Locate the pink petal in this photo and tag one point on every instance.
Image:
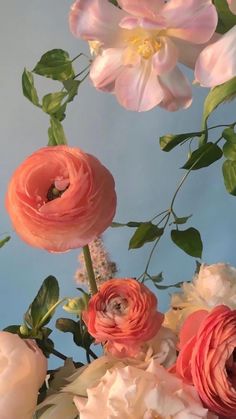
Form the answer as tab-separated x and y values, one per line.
137	88
145	8
165	59
217	62
191	326
95	20
106	68
132	22
192	20
232	5
177	90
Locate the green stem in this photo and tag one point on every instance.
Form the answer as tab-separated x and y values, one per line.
89	267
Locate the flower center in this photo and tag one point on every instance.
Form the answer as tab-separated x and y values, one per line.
146	46
57	188
117	306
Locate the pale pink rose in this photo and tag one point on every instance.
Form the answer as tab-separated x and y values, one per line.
23	369
61	198
232	5
123	314
140	46
207	358
216	64
129	392
213	285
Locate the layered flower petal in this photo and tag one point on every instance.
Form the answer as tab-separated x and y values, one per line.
217	62
177	90
106	68
145	8
95	20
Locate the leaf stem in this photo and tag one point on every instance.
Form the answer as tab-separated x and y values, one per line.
89	267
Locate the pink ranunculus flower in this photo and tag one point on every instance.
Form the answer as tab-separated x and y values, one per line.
232	5
130	392
61	198
140	46
207	358
216	64
22	372
124	315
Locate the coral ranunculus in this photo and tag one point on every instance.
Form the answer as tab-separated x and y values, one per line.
141	45
61	198
207	358
23	371
124	315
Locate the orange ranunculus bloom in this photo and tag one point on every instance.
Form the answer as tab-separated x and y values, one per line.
207	358
61	198
124	315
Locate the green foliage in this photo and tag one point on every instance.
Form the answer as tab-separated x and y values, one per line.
56	133
204	156
229	135
29	91
4	241
41	310
229	173
146	232
52	102
181	220
226	19
229	150
170	141
217	96
78	329
55	64
129	224
77	305
189	241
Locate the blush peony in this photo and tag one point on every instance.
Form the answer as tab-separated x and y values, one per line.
129	392
207	358
61	198
138	47
23	369
124	315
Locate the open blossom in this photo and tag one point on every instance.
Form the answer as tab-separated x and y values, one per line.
23	369
212	286
140	45
207	358
216	64
61	198
129	392
124	315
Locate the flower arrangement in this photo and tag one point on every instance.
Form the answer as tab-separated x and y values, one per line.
141	363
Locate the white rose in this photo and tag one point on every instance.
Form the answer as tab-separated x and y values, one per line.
213	285
129	392
23	368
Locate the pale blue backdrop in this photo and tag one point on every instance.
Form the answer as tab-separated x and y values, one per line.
126	142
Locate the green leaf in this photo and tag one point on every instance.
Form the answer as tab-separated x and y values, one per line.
55	64
218	95
146	232
189	241
229	135
114	2
72	87
226	19
204	156
165	287
157	278
181	220
229	150
129	224
170	141
28	88
229	173
14	328
56	133
52	102
78	330
4	241
46	298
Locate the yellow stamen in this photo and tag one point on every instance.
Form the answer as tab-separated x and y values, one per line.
146	47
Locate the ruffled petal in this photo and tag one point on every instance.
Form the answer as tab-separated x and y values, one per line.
145	8
217	62
132	22
137	88
106	68
166	58
177	90
95	20
192	20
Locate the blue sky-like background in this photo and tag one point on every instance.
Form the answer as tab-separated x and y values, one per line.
126	142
